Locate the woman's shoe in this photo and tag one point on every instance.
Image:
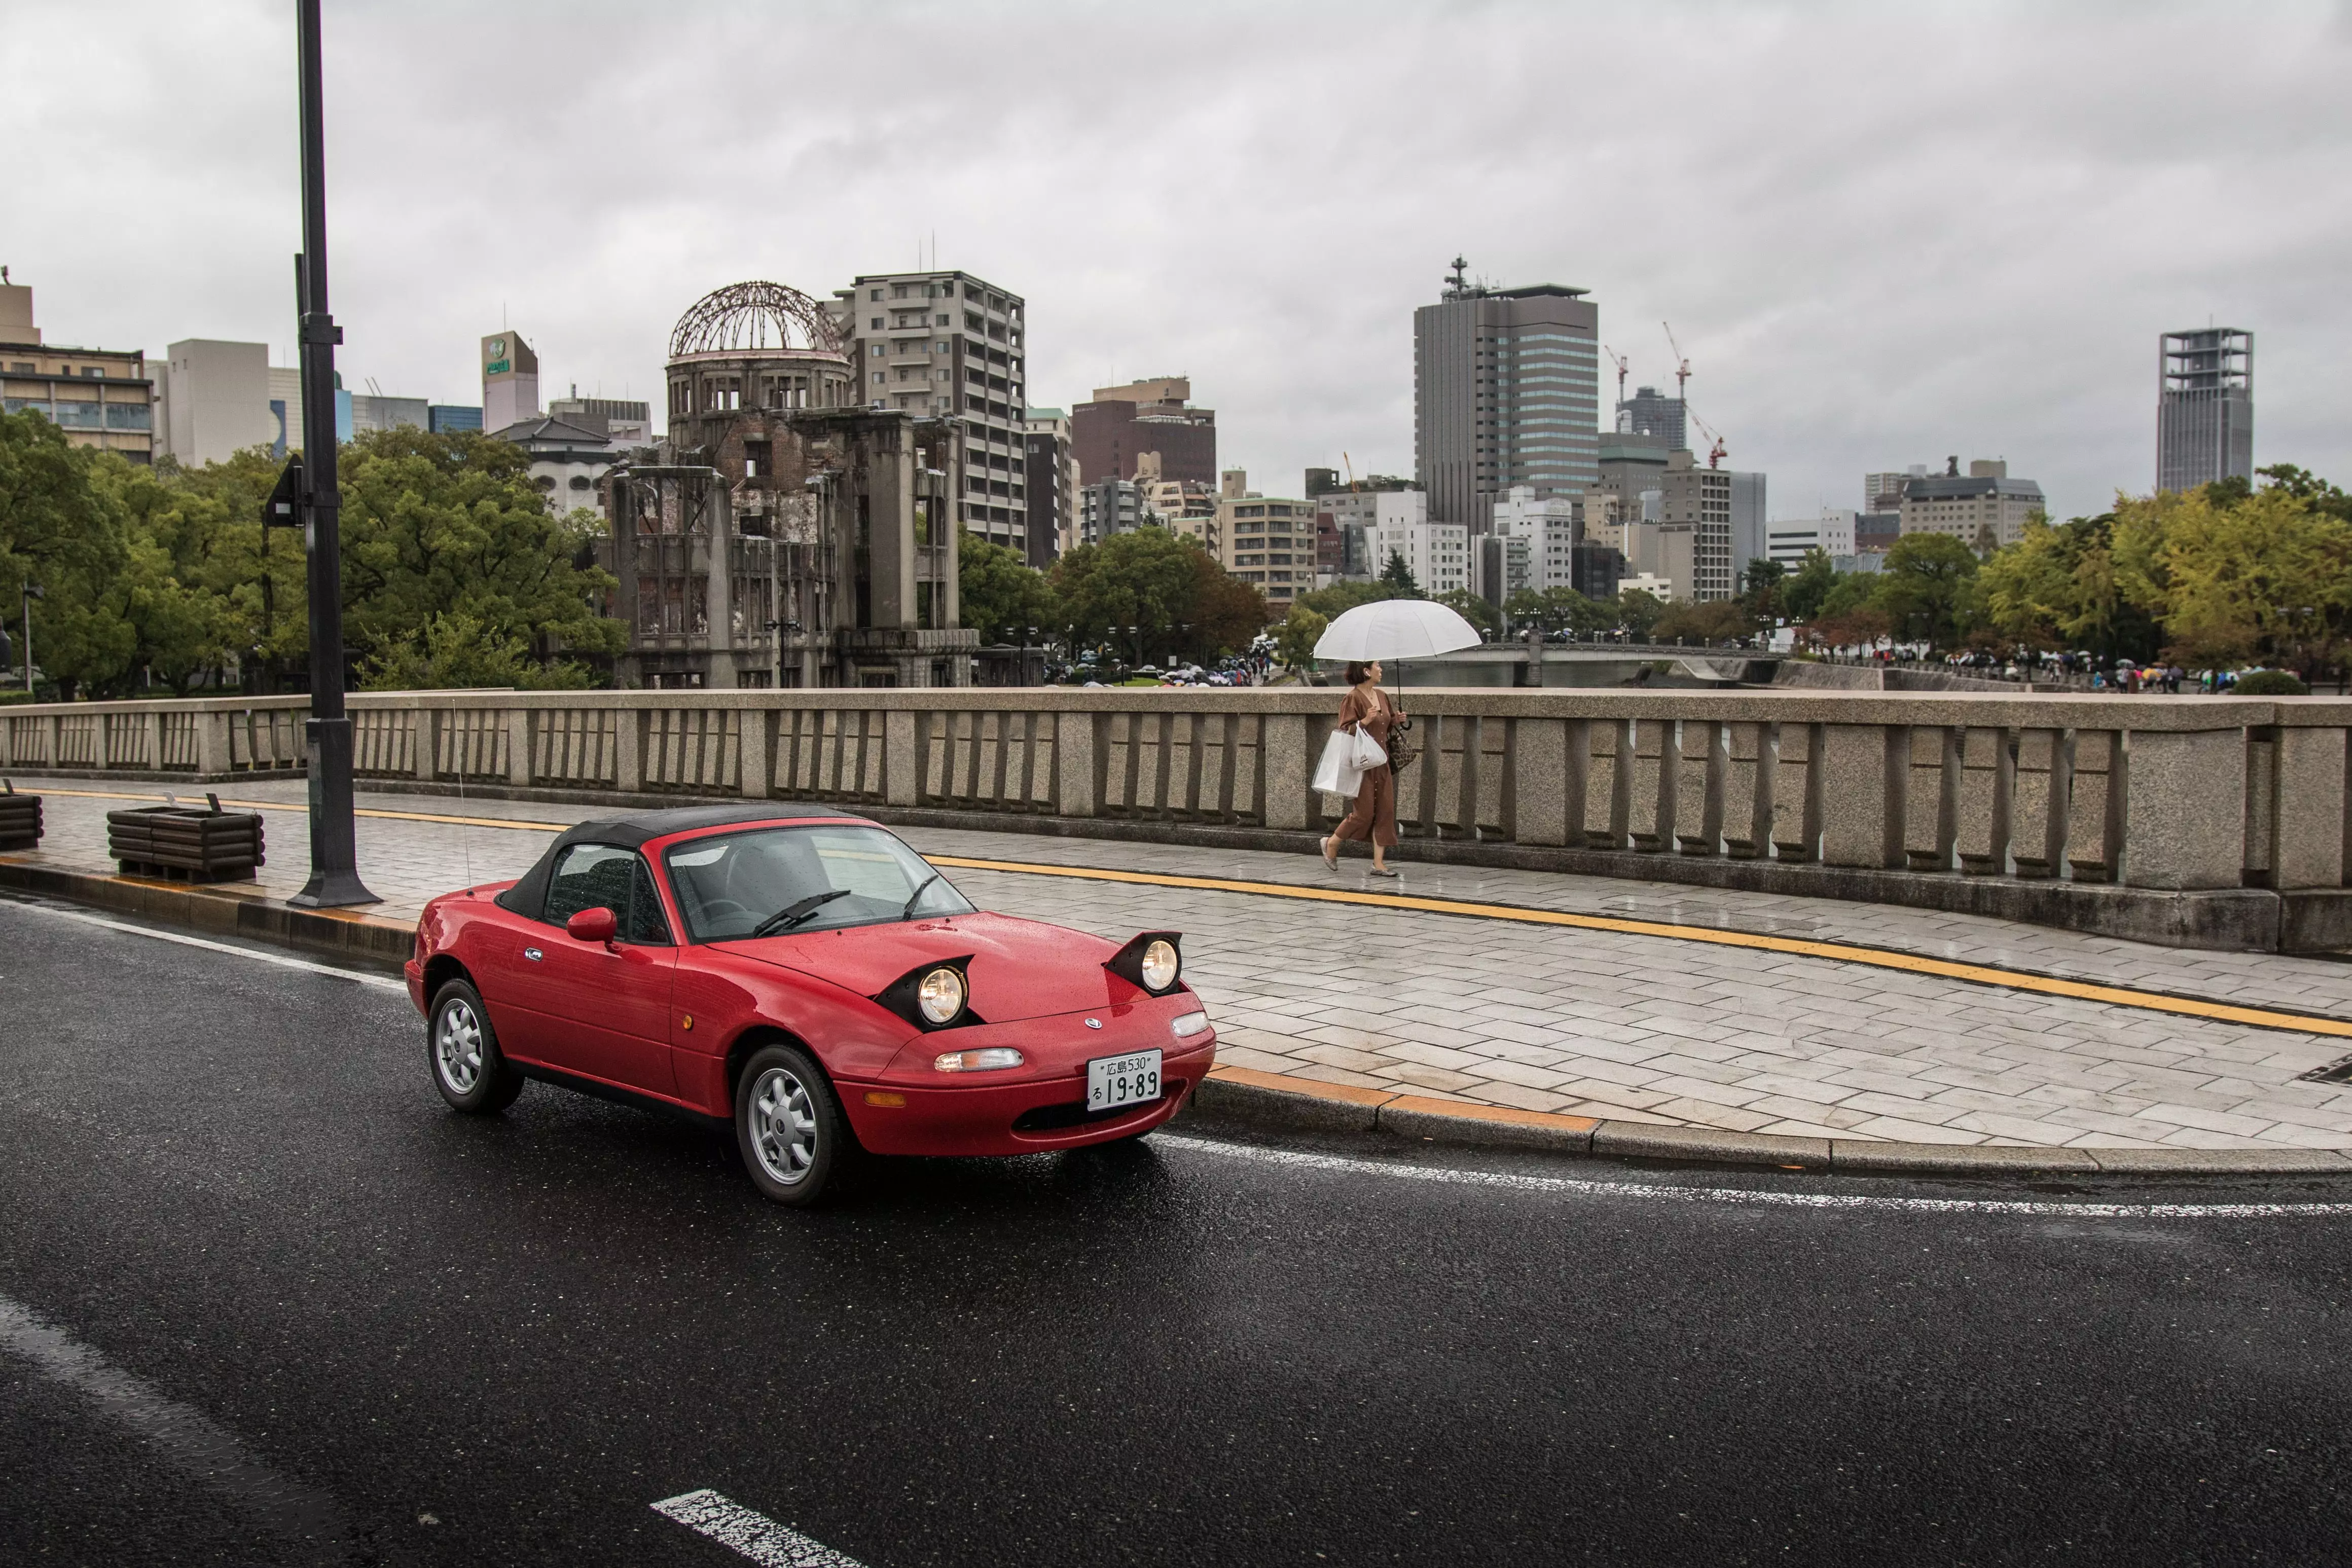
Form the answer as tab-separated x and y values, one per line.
1330	853
1384	871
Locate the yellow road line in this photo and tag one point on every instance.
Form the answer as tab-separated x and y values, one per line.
1878	957
523	824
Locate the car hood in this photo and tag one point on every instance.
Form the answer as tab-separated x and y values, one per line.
1019	969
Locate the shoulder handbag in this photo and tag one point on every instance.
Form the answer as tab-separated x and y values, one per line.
1402	748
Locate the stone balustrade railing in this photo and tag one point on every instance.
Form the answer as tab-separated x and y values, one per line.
2192	820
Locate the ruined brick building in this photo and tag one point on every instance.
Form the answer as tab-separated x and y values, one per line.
780	534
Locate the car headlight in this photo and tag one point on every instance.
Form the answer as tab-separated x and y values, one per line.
940	994
1160	964
1185	1026
988	1058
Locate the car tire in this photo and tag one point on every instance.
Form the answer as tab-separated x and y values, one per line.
790	1128
461	1049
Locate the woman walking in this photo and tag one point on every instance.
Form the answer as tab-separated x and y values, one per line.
1375	816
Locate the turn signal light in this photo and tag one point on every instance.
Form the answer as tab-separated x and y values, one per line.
885	1098
1185	1026
988	1058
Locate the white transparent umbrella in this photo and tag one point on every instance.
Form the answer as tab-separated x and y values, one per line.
1395	628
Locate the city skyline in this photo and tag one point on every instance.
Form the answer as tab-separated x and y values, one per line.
1820	347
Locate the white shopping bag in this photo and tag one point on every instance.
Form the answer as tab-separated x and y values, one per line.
1368	754
1338	773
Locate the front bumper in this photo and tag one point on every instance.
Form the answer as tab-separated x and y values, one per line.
980	1118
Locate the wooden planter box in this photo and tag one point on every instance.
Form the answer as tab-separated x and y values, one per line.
20	820
188	841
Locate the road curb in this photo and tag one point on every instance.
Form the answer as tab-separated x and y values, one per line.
1277	1102
216	909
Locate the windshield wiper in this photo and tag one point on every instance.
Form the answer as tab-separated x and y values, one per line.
908	913
793	914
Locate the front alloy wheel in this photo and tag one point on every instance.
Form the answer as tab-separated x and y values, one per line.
788	1126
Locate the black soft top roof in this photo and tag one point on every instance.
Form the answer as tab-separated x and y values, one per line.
528	896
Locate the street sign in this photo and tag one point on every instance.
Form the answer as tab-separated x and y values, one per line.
284	508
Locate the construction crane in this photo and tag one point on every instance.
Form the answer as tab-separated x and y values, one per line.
1717	454
1682	365
1620	370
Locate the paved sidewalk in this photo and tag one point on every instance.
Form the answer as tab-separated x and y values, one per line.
1624	1027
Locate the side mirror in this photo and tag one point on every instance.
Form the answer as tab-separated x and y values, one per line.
591	926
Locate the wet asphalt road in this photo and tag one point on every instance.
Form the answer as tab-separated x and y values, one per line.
234	1184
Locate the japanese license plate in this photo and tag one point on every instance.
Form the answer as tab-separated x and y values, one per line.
1115	1081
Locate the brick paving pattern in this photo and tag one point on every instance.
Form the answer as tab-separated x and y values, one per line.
1633	1027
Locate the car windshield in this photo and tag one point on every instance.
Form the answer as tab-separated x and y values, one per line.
771	881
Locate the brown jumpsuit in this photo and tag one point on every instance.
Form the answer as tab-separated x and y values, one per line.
1374	816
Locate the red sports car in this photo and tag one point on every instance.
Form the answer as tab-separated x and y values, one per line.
810	980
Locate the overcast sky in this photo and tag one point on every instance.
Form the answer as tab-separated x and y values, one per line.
1883	234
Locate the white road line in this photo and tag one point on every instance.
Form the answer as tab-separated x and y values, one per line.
181	1434
1570	1186
379	981
755	1535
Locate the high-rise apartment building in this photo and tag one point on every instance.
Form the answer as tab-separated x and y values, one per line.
1266	541
1051	476
1549	524
1883	492
2204	407
1348	524
1506	391
1983	510
1114	431
1437	554
947	345
1109	506
99	397
1699	501
1649	411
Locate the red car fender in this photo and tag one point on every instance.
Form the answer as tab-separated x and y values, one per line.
732	999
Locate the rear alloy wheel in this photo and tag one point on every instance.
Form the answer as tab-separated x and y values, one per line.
788	1126
468	1069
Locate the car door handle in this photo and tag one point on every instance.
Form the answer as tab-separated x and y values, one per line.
533	953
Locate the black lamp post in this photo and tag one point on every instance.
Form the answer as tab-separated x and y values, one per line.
334	850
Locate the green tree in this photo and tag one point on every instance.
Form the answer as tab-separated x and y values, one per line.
61	527
1805	591
1759	595
1295	640
1474	609
436	525
1341	597
999	595
1718	621
1226	614
1397	575
457	651
1558	609
2268	577
2058	587
1638	610
1135	591
1928	589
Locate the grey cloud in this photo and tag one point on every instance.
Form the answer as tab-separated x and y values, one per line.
1882	235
